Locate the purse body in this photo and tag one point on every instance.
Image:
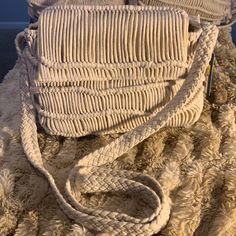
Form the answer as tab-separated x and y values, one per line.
108	70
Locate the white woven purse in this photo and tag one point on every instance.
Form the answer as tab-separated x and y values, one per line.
111	69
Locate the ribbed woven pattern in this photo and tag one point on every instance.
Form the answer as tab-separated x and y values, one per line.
217	11
35	7
90	175
111	73
210	10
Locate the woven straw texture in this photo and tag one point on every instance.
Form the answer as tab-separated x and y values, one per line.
57	71
195	166
35	7
210	10
122	70
216	11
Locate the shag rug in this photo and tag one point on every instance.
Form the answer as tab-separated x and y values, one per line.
196	166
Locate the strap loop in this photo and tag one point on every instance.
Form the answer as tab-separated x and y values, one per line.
20	43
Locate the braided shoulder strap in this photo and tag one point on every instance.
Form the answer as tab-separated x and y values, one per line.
90	175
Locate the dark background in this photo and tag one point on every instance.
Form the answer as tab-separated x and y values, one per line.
13	19
13	10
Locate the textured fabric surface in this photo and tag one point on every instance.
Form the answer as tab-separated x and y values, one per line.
219	12
122	71
211	10
35	7
196	166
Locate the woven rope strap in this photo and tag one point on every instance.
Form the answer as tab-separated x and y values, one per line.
90	175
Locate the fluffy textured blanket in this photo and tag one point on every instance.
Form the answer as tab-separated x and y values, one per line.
196	166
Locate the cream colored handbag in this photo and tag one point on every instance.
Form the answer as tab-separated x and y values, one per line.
111	69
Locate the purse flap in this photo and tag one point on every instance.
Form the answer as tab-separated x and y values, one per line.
112	36
88	43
